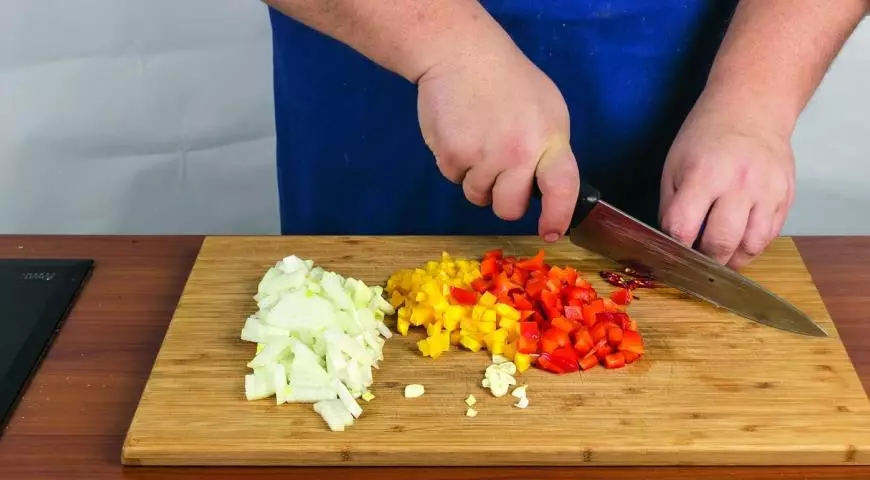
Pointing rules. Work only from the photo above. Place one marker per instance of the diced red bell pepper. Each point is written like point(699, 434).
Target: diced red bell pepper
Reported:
point(494, 253)
point(632, 325)
point(583, 341)
point(621, 296)
point(575, 314)
point(567, 353)
point(520, 277)
point(534, 263)
point(588, 362)
point(463, 296)
point(575, 303)
point(614, 336)
point(554, 286)
point(528, 315)
point(611, 306)
point(604, 351)
point(620, 319)
point(550, 300)
point(530, 330)
point(584, 295)
point(631, 342)
point(553, 313)
point(489, 267)
point(563, 323)
point(521, 302)
point(614, 360)
point(527, 345)
point(592, 309)
point(508, 268)
point(505, 298)
point(554, 338)
point(534, 287)
point(630, 357)
point(504, 286)
point(480, 285)
point(556, 273)
point(582, 283)
point(570, 276)
point(599, 331)
point(592, 351)
point(556, 363)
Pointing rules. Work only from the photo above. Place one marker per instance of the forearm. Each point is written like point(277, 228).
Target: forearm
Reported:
point(776, 53)
point(407, 37)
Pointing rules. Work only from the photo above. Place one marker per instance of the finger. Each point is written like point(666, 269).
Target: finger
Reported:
point(478, 183)
point(510, 194)
point(453, 171)
point(689, 205)
point(726, 225)
point(756, 238)
point(778, 222)
point(668, 189)
point(559, 180)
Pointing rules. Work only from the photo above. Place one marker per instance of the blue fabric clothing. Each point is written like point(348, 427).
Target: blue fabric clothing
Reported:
point(351, 159)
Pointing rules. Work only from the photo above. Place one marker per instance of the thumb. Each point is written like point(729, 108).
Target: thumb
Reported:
point(559, 181)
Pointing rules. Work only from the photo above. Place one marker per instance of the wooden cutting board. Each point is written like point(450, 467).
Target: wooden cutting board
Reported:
point(712, 389)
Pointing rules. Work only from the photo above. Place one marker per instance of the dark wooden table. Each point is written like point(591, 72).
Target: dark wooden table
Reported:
point(72, 419)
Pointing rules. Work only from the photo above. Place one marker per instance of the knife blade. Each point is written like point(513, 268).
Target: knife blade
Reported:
point(604, 229)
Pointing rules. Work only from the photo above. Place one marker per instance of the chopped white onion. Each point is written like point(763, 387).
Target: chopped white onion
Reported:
point(318, 336)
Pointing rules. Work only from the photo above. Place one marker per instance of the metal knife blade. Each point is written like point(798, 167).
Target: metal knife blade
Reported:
point(604, 229)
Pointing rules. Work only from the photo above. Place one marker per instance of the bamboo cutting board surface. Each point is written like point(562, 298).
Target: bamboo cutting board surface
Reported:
point(713, 388)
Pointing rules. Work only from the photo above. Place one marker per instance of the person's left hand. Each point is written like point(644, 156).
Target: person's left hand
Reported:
point(733, 173)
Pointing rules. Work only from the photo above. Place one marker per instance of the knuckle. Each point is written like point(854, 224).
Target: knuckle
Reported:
point(719, 247)
point(475, 195)
point(507, 213)
point(459, 152)
point(754, 246)
point(520, 148)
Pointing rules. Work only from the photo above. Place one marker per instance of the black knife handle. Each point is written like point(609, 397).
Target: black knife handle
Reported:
point(587, 199)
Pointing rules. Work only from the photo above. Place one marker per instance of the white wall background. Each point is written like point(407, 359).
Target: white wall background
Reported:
point(132, 116)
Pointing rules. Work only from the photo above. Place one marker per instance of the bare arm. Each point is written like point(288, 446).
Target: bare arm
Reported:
point(494, 121)
point(407, 37)
point(776, 53)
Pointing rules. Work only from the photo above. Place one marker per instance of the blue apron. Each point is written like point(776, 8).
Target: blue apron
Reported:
point(351, 159)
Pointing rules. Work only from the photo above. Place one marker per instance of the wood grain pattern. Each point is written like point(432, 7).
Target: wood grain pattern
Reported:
point(713, 389)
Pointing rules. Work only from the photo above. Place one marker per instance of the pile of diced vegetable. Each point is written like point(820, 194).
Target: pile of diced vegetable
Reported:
point(524, 309)
point(319, 335)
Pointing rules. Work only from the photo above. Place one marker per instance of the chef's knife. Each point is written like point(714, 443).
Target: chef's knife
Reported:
point(602, 228)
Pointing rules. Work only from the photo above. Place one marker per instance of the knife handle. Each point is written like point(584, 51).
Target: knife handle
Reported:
point(587, 199)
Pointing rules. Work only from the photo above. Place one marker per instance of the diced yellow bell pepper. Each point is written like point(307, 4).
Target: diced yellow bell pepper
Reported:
point(423, 346)
point(506, 323)
point(487, 340)
point(444, 340)
point(486, 327)
point(402, 326)
point(510, 350)
point(477, 311)
point(396, 299)
point(507, 311)
point(489, 316)
point(433, 328)
point(487, 299)
point(455, 336)
point(523, 361)
point(470, 343)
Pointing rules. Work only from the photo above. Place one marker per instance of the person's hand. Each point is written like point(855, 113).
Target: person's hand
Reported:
point(740, 171)
point(494, 122)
